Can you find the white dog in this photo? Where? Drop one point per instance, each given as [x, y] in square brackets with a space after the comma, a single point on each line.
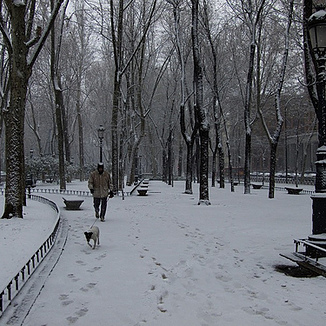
[93, 233]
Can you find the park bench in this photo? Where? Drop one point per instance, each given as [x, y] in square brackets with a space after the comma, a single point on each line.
[143, 188]
[293, 191]
[72, 203]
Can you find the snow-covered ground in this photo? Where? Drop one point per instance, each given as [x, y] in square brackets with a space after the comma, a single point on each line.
[21, 238]
[164, 260]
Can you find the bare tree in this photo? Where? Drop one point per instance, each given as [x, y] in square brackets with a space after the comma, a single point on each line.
[217, 110]
[23, 49]
[274, 138]
[145, 83]
[80, 43]
[62, 135]
[200, 113]
[120, 67]
[252, 15]
[189, 133]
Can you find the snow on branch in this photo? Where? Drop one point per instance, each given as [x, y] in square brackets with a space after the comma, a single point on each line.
[36, 38]
[6, 36]
[46, 32]
[18, 3]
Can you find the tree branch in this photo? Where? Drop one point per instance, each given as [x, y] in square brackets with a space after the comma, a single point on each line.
[6, 36]
[45, 34]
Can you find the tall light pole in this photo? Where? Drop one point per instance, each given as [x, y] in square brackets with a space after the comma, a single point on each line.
[100, 133]
[317, 34]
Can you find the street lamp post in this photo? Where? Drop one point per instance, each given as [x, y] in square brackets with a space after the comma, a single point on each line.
[317, 33]
[100, 133]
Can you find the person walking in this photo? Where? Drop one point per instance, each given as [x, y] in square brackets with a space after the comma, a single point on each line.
[99, 184]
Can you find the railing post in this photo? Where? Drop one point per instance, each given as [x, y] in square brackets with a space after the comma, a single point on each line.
[16, 282]
[9, 291]
[23, 273]
[28, 268]
[1, 301]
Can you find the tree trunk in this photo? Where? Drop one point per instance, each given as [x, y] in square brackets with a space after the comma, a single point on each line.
[180, 160]
[273, 152]
[254, 21]
[14, 117]
[221, 166]
[214, 156]
[18, 43]
[80, 135]
[247, 121]
[59, 103]
[204, 156]
[67, 153]
[189, 165]
[121, 161]
[189, 138]
[200, 113]
[14, 123]
[117, 46]
[170, 159]
[247, 163]
[165, 165]
[216, 103]
[230, 168]
[59, 107]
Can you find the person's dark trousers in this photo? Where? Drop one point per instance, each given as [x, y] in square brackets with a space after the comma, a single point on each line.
[100, 212]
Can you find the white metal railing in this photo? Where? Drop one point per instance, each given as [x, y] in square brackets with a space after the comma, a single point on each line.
[20, 278]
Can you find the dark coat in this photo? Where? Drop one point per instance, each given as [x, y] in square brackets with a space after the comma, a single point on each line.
[101, 183]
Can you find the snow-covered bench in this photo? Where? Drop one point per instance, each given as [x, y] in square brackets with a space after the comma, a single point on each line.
[142, 191]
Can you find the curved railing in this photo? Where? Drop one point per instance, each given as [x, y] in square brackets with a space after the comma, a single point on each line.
[303, 191]
[59, 191]
[17, 282]
[290, 180]
[53, 191]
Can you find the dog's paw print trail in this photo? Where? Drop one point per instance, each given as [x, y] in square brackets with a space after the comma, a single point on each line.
[100, 257]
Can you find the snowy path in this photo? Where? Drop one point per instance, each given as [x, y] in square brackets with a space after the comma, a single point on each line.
[164, 260]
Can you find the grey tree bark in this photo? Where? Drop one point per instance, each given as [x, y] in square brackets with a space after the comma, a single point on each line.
[62, 132]
[19, 42]
[200, 113]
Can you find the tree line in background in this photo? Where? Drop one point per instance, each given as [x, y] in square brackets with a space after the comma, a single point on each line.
[193, 88]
